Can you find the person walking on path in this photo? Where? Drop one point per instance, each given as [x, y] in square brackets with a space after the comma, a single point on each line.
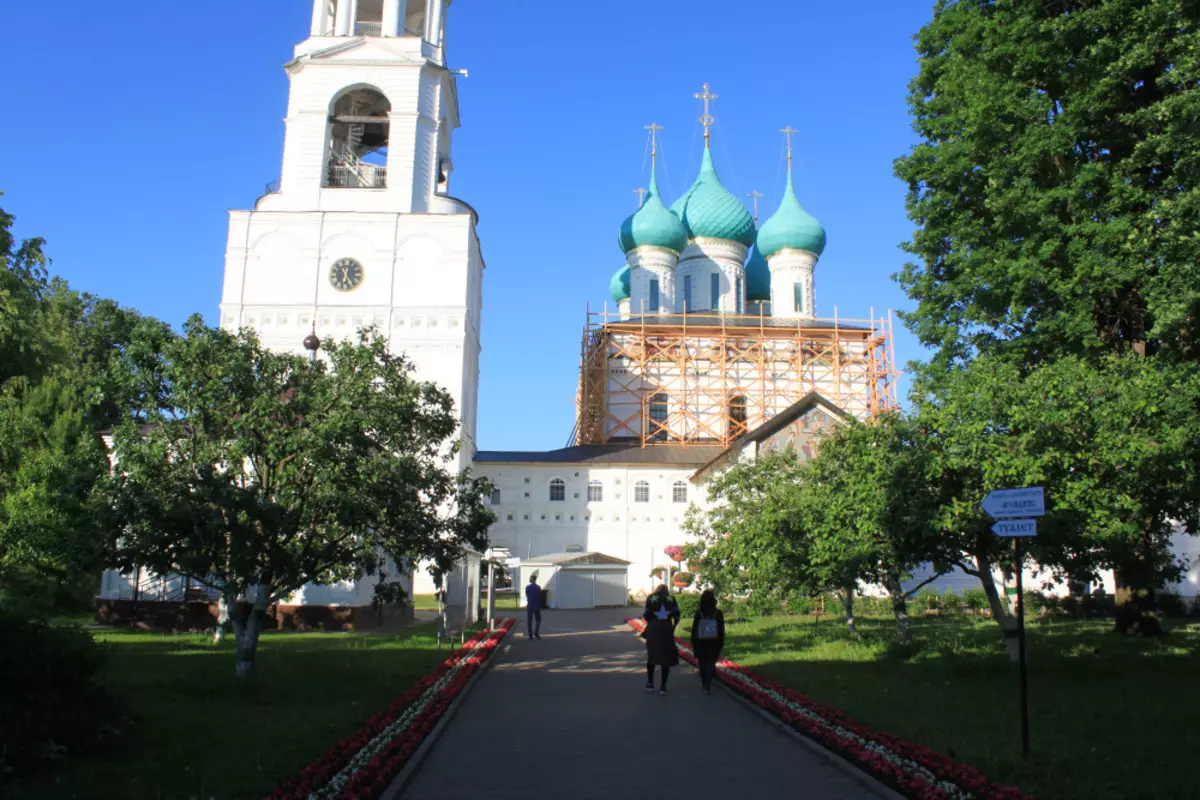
[533, 609]
[708, 638]
[661, 615]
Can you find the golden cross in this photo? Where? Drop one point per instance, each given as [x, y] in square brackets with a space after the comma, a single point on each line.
[788, 131]
[654, 128]
[706, 119]
[641, 193]
[754, 195]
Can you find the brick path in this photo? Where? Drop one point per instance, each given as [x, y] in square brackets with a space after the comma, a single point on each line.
[566, 717]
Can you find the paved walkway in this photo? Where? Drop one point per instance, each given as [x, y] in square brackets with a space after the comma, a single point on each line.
[566, 717]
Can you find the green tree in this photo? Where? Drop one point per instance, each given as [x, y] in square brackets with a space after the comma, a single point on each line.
[870, 509]
[751, 542]
[1057, 193]
[58, 390]
[258, 472]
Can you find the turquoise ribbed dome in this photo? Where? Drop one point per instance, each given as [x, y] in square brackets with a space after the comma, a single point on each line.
[791, 228]
[619, 285]
[709, 210]
[758, 279]
[652, 225]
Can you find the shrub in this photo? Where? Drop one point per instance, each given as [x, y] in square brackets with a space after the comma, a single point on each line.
[689, 604]
[927, 600]
[52, 705]
[952, 601]
[975, 599]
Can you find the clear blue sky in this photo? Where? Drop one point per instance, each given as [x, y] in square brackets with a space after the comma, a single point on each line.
[132, 128]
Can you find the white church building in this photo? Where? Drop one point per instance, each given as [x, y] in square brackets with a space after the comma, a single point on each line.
[715, 352]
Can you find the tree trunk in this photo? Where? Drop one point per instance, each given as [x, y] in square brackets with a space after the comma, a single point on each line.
[848, 602]
[899, 609]
[224, 601]
[1000, 613]
[247, 642]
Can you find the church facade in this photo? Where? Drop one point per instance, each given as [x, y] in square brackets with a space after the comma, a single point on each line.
[716, 340]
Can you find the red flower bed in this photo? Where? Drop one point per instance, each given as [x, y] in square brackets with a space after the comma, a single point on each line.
[915, 771]
[372, 778]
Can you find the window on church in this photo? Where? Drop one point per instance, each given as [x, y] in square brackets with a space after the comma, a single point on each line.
[595, 492]
[715, 294]
[495, 497]
[558, 490]
[658, 418]
[798, 296]
[654, 295]
[641, 492]
[688, 305]
[738, 295]
[679, 492]
[358, 141]
[737, 415]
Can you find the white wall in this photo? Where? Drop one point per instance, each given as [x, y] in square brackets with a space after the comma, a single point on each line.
[617, 526]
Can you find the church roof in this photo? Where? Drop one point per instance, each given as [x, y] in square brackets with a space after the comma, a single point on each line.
[619, 287]
[652, 225]
[666, 455]
[709, 210]
[791, 227]
[574, 560]
[758, 278]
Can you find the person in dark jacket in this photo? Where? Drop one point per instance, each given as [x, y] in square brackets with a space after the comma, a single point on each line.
[533, 608]
[708, 638]
[661, 615]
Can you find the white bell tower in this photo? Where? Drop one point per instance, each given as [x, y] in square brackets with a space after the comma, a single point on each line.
[360, 229]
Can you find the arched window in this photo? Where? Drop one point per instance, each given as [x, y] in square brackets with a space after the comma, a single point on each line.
[658, 418]
[358, 141]
[641, 492]
[737, 415]
[558, 490]
[495, 497]
[679, 492]
[595, 492]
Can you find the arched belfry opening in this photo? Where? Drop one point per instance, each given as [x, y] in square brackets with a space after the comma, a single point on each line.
[358, 141]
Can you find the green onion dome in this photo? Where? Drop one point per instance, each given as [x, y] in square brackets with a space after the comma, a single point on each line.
[758, 278]
[709, 210]
[619, 285]
[791, 228]
[653, 225]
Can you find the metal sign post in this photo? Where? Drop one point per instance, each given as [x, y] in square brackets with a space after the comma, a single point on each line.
[1012, 507]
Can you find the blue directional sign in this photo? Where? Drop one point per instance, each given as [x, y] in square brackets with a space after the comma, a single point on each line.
[1015, 503]
[1015, 527]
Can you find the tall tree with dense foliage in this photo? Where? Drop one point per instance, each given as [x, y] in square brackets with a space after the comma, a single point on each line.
[258, 472]
[58, 390]
[1056, 191]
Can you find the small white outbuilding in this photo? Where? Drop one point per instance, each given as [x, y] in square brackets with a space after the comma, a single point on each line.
[578, 580]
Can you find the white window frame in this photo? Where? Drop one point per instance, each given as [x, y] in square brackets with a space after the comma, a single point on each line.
[639, 489]
[558, 483]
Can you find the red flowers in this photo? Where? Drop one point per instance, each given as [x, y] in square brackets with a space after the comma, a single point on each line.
[391, 745]
[915, 771]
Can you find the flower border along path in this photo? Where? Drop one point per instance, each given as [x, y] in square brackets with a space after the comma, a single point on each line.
[914, 771]
[362, 765]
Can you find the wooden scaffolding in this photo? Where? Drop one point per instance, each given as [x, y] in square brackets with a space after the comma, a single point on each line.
[708, 378]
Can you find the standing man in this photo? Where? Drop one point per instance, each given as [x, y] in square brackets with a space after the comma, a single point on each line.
[533, 608]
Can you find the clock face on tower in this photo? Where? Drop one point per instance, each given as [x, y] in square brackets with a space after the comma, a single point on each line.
[346, 274]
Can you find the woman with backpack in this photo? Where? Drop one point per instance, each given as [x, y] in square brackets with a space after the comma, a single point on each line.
[708, 638]
[661, 615]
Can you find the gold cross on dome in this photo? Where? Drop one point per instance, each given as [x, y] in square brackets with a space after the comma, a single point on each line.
[788, 131]
[755, 195]
[641, 193]
[706, 119]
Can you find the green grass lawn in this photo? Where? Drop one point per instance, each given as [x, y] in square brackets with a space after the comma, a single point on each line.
[199, 733]
[1110, 717]
[504, 601]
